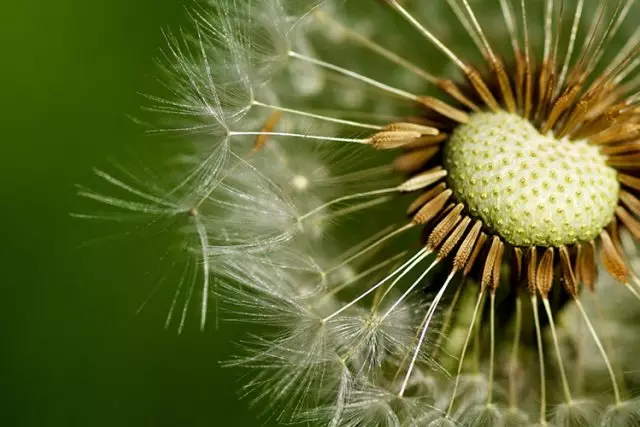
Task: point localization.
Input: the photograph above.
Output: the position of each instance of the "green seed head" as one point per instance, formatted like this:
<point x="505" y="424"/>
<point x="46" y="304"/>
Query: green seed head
<point x="530" y="189"/>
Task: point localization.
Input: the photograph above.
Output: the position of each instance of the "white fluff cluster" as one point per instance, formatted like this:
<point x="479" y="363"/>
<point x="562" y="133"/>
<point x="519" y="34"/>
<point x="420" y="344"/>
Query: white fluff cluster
<point x="273" y="202"/>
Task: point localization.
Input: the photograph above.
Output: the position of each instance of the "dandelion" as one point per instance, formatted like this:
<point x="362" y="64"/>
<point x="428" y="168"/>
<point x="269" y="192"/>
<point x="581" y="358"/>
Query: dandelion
<point x="326" y="137"/>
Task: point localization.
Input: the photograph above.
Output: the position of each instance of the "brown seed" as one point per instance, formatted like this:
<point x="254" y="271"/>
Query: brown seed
<point x="576" y="116"/>
<point x="630" y="201"/>
<point x="444" y="227"/>
<point x="486" y="280"/>
<point x="444" y="109"/>
<point x="520" y="78"/>
<point x="481" y="88"/>
<point x="411" y="127"/>
<point x="532" y="266"/>
<point x="576" y="265"/>
<point x="467" y="246"/>
<point x="544" y="83"/>
<point x="620" y="133"/>
<point x="631" y="161"/>
<point x="611" y="259"/>
<point x="432" y="208"/>
<point x="453" y="239"/>
<point x="482" y="239"/>
<point x="387" y="140"/>
<point x="614" y="233"/>
<point x="497" y="265"/>
<point x="560" y="106"/>
<point x="503" y="82"/>
<point x="629" y="221"/>
<point x="516" y="270"/>
<point x="423" y="180"/>
<point x="427" y="141"/>
<point x="629" y="181"/>
<point x="625" y="148"/>
<point x="599" y="123"/>
<point x="414" y="160"/>
<point x="544" y="273"/>
<point x="569" y="281"/>
<point x="450" y="88"/>
<point x="588" y="271"/>
<point x="425" y="197"/>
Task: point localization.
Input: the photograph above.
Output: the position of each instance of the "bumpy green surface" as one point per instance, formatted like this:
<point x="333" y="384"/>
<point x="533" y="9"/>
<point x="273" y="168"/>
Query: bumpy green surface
<point x="529" y="188"/>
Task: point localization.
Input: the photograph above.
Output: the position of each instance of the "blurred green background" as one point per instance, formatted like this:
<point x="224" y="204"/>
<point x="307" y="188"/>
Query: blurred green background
<point x="74" y="349"/>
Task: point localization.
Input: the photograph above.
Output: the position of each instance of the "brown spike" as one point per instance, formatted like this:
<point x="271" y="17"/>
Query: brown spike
<point x="569" y="281"/>
<point x="444" y="109"/>
<point x="464" y="251"/>
<point x="588" y="270"/>
<point x="632" y="224"/>
<point x="454" y="238"/>
<point x="414" y="160"/>
<point x="432" y="208"/>
<point x="450" y="88"/>
<point x="544" y="273"/>
<point x="487" y="273"/>
<point x="497" y="265"/>
<point x="425" y="197"/>
<point x="482" y="239"/>
<point x="422" y="180"/>
<point x="611" y="259"/>
<point x="444" y="227"/>
<point x="481" y="88"/>
<point x="629" y="181"/>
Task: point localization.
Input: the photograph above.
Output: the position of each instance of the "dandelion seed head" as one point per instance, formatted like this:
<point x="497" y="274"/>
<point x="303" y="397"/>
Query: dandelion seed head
<point x="325" y="138"/>
<point x="529" y="188"/>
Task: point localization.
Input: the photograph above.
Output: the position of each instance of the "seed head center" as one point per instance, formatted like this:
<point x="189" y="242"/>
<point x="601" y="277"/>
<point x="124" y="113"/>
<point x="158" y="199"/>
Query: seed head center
<point x="529" y="188"/>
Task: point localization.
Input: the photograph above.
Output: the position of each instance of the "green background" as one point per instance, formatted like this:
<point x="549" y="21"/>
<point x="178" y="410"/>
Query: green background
<point x="74" y="349"/>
